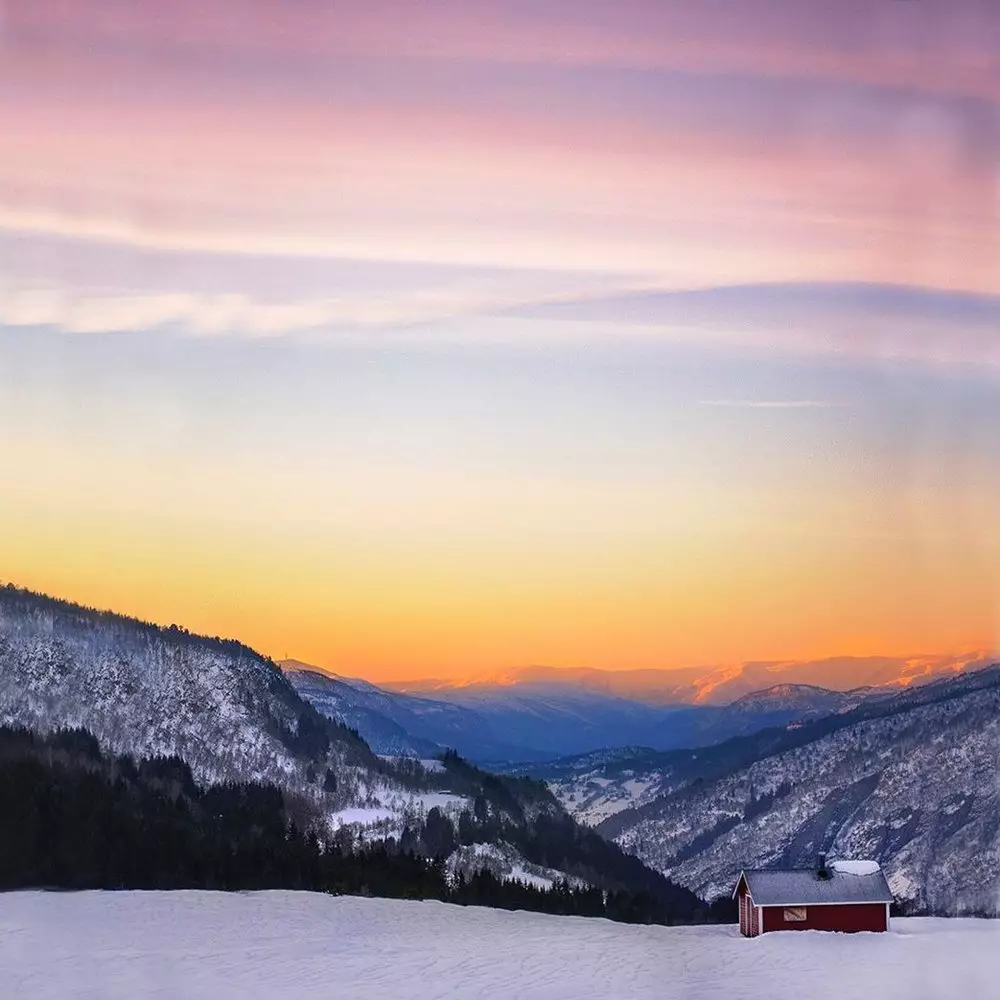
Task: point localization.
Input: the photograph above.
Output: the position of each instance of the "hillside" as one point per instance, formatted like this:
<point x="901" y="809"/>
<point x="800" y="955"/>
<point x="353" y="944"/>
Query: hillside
<point x="146" y="691"/>
<point x="306" y="945"/>
<point x="74" y="817"/>
<point x="402" y="724"/>
<point x="230" y="715"/>
<point x="907" y="779"/>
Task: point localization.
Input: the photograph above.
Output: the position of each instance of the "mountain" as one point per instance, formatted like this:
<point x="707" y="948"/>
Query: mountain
<point x="908" y="778"/>
<point x="529" y="725"/>
<point x="541" y="722"/>
<point x="365" y="708"/>
<point x="231" y="716"/>
<point x="402" y="724"/>
<point x="798" y="698"/>
<point x="226" y="711"/>
<point x="148" y="691"/>
<point x="712" y="685"/>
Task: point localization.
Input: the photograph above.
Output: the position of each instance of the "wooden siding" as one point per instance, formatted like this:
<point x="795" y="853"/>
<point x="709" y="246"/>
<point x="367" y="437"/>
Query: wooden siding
<point x="849" y="917"/>
<point x="749" y="923"/>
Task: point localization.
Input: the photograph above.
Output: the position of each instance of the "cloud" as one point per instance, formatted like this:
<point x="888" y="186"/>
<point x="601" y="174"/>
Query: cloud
<point x="877" y="42"/>
<point x="880" y="322"/>
<point x="869" y="323"/>
<point x="224" y="313"/>
<point x="773" y="404"/>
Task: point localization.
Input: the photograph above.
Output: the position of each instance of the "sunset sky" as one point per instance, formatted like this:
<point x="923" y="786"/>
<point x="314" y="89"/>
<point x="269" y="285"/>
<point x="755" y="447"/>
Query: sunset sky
<point x="438" y="338"/>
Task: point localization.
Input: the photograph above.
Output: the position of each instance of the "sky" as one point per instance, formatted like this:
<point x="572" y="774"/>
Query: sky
<point x="444" y="338"/>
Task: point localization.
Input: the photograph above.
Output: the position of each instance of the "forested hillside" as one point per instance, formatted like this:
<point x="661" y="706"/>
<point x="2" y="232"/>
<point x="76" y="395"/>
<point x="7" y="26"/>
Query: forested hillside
<point x="74" y="818"/>
<point x="198" y="752"/>
<point x="909" y="779"/>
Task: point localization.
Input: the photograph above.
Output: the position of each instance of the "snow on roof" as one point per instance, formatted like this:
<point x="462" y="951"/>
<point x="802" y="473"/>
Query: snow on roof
<point x="847" y="882"/>
<point x="855" y="867"/>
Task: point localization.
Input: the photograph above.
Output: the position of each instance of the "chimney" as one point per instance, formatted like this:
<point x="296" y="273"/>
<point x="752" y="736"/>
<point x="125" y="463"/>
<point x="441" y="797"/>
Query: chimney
<point x="822" y="871"/>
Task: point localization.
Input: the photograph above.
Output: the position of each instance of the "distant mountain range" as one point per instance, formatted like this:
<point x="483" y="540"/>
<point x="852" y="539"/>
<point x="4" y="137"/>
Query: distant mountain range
<point x="712" y="685"/>
<point x="907" y="777"/>
<point x="543" y="721"/>
<point x="539" y="714"/>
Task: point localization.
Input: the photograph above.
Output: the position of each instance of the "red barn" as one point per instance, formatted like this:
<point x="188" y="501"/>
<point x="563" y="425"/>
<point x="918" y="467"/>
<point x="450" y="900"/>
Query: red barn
<point x="844" y="896"/>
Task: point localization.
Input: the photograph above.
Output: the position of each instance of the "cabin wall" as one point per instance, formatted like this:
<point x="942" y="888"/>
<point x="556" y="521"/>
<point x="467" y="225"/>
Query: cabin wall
<point x="850" y="917"/>
<point x="749" y="920"/>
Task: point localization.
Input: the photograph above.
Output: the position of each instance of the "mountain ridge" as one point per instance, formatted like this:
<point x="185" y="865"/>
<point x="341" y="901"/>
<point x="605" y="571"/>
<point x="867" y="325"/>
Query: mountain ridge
<point x="230" y="716"/>
<point x="523" y="724"/>
<point x="709" y="685"/>
<point x="909" y="779"/>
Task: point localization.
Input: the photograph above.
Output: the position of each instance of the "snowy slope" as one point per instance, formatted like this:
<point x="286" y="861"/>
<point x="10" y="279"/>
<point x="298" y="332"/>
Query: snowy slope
<point x="213" y="946"/>
<point x="231" y="714"/>
<point x="144" y="691"/>
<point x="911" y="781"/>
<point x="506" y="864"/>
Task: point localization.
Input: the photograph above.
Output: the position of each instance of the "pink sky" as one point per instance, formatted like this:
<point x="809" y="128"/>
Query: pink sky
<point x="254" y="191"/>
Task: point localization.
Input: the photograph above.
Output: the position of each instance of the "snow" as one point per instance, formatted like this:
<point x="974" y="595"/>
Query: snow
<point x="444" y="801"/>
<point x="395" y="809"/>
<point x="361" y="816"/>
<point x="200" y="945"/>
<point x="431" y="765"/>
<point x="507" y="864"/>
<point x="855" y="867"/>
<point x="521" y="874"/>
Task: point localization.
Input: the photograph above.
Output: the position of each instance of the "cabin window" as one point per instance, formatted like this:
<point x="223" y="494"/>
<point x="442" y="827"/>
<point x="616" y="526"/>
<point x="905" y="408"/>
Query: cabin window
<point x="794" y="914"/>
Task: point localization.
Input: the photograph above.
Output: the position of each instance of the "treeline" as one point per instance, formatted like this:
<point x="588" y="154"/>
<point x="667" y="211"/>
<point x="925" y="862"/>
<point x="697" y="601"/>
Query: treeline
<point x="77" y="618"/>
<point x="72" y="817"/>
<point x="304" y="731"/>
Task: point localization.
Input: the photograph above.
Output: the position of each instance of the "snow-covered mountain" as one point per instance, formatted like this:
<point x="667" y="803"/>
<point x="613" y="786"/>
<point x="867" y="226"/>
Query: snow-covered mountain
<point x="719" y="684"/>
<point x="910" y="779"/>
<point x="542" y="722"/>
<point x="403" y="724"/>
<point x="231" y="714"/>
<point x="379" y="716"/>
<point x="149" y="691"/>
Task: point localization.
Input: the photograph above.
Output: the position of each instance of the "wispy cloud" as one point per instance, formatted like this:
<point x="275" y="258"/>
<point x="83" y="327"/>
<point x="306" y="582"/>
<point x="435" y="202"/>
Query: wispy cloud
<point x="773" y="404"/>
<point x="233" y="314"/>
<point x="881" y="322"/>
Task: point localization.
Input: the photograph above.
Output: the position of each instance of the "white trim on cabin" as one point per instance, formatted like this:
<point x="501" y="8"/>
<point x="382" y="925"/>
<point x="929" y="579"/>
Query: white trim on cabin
<point x="738" y="881"/>
<point x="836" y="902"/>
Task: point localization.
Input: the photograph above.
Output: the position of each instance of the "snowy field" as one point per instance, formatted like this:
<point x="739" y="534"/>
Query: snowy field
<point x="290" y="945"/>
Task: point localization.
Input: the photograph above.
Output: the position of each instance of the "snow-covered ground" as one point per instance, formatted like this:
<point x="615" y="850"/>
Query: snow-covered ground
<point x="189" y="945"/>
<point x="507" y="864"/>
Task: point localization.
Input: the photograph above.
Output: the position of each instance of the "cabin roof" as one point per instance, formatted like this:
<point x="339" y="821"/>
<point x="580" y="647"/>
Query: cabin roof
<point x="851" y="882"/>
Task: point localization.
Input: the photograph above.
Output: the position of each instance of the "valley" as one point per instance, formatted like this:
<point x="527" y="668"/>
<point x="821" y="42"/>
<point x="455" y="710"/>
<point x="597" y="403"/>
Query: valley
<point x="536" y="784"/>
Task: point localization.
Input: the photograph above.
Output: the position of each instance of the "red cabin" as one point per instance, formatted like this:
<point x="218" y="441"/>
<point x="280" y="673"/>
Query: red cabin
<point x="842" y="896"/>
